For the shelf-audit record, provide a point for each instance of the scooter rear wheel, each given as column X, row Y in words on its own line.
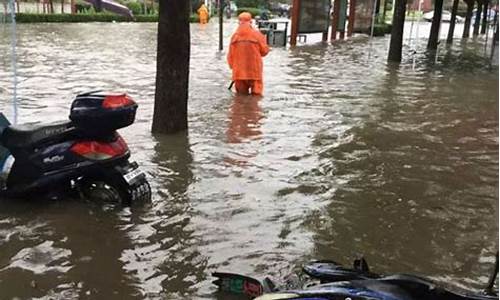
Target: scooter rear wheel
column 104, row 190
column 100, row 191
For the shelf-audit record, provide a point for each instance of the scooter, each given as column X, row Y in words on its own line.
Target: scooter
column 357, row 283
column 84, row 155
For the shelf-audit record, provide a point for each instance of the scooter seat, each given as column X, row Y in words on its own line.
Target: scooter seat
column 28, row 135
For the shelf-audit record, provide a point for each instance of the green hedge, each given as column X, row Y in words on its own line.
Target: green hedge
column 135, row 7
column 381, row 29
column 251, row 3
column 79, row 18
column 378, row 30
column 252, row 10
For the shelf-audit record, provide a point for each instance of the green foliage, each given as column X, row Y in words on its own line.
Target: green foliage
column 194, row 18
column 136, row 7
column 251, row 3
column 87, row 17
column 252, row 10
column 83, row 7
column 381, row 29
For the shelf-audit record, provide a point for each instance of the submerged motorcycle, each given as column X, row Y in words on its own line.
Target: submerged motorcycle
column 341, row 283
column 84, row 155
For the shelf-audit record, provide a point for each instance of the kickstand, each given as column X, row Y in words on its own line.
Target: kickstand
column 361, row 265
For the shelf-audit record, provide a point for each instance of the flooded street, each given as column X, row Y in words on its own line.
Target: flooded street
column 344, row 155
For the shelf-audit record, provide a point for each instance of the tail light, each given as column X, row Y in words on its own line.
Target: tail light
column 115, row 101
column 100, row 151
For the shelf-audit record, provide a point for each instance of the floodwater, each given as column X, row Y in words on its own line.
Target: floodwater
column 345, row 155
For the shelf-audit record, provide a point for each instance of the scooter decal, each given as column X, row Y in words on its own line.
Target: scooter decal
column 53, row 159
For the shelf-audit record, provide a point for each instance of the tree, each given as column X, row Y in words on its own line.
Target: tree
column 436, row 23
column 453, row 20
column 172, row 67
column 398, row 23
column 477, row 20
column 468, row 17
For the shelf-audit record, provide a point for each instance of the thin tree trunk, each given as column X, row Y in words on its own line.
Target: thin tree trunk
column 451, row 30
column 485, row 17
column 62, row 6
column 384, row 12
column 477, row 22
column 98, row 5
column 398, row 23
column 436, row 23
column 51, row 6
column 172, row 67
column 73, row 7
column 377, row 10
column 468, row 17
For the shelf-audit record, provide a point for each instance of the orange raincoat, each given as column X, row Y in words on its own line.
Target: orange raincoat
column 247, row 48
column 203, row 14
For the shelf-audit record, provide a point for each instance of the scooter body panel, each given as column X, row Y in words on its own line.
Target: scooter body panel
column 45, row 157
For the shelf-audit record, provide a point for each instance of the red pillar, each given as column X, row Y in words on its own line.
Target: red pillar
column 335, row 19
column 352, row 17
column 295, row 22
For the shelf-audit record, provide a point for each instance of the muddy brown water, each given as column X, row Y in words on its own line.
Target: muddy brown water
column 345, row 155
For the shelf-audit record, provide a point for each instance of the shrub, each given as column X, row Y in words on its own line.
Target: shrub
column 96, row 17
column 252, row 10
column 251, row 3
column 135, row 7
column 194, row 18
column 82, row 7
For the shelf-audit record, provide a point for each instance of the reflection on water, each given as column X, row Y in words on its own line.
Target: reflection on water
column 244, row 119
column 342, row 156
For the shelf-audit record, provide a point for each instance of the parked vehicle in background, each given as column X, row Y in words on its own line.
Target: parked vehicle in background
column 490, row 15
column 445, row 17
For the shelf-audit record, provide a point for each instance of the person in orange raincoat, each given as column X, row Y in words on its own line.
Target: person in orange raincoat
column 247, row 48
column 203, row 14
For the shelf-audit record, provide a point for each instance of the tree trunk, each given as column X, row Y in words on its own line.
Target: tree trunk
column 73, row 7
column 436, row 23
column 172, row 67
column 51, row 6
column 484, row 24
column 468, row 17
column 477, row 22
column 398, row 23
column 62, row 6
column 453, row 20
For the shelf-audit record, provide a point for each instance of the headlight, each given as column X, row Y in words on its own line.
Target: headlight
column 277, row 296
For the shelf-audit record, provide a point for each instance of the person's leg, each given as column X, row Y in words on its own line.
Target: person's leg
column 242, row 86
column 257, row 87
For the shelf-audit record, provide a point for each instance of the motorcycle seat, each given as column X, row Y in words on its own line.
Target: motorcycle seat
column 28, row 135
